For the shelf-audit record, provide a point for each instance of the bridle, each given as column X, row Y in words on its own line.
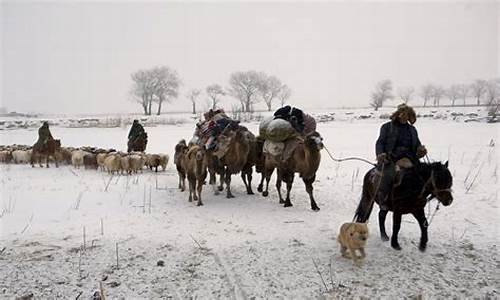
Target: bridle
column 435, row 190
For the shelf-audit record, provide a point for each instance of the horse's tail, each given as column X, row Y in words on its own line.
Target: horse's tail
column 365, row 205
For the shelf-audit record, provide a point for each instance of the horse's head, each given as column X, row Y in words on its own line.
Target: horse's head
column 441, row 182
column 314, row 141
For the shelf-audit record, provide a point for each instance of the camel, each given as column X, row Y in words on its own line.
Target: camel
column 180, row 151
column 231, row 157
column 305, row 160
column 195, row 164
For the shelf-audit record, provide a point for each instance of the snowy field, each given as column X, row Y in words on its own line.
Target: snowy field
column 247, row 247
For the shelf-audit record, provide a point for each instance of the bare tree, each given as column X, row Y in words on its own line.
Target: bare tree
column 244, row 86
column 493, row 110
column 284, row 94
column 166, row 86
column 437, row 94
column 478, row 88
column 215, row 91
column 426, row 92
column 383, row 92
column 406, row 94
column 143, row 89
column 453, row 92
column 269, row 88
column 463, row 92
column 492, row 90
column 193, row 95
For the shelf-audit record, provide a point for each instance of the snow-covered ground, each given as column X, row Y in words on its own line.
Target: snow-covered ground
column 246, row 247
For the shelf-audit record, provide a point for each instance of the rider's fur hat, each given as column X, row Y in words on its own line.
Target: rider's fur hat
column 412, row 116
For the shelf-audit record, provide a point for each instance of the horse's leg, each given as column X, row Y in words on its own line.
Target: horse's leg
column 228, row 185
column 396, row 225
column 289, row 182
column 55, row 161
column 422, row 222
column 268, row 173
column 381, row 224
column 47, row 160
column 40, row 157
column 32, row 160
column 309, row 189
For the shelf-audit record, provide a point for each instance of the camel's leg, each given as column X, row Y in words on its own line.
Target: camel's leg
column 422, row 222
column 396, row 225
column 288, row 177
column 40, row 161
column 279, row 180
column 222, row 176
column 228, row 185
column 309, row 188
column 191, row 189
column 268, row 173
column 261, row 184
column 248, row 185
column 32, row 160
column 381, row 224
column 199, row 188
column 183, row 182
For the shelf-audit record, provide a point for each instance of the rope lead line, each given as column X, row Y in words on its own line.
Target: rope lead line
column 348, row 158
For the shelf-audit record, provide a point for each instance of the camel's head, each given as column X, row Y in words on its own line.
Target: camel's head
column 314, row 141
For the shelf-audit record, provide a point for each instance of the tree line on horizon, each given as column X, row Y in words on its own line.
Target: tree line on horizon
column 161, row 84
column 484, row 92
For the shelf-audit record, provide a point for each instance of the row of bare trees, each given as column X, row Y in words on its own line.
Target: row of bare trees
column 486, row 92
column 161, row 84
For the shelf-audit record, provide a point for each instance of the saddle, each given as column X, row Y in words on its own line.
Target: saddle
column 402, row 166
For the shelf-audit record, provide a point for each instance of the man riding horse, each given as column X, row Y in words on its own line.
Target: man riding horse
column 136, row 133
column 398, row 147
column 44, row 135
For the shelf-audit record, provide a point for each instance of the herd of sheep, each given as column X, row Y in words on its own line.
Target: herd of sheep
column 110, row 160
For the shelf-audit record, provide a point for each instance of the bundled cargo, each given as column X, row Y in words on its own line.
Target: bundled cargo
column 263, row 126
column 273, row 148
column 279, row 130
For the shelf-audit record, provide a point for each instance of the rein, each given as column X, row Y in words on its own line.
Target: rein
column 435, row 190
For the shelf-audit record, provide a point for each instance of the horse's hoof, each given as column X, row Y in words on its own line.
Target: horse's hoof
column 396, row 247
column 259, row 189
column 384, row 238
column 265, row 193
column 282, row 201
column 200, row 204
column 288, row 204
column 250, row 193
column 422, row 248
column 315, row 208
column 229, row 196
column 221, row 188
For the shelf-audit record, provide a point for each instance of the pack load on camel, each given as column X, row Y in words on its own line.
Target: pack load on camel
column 137, row 138
column 291, row 145
column 207, row 131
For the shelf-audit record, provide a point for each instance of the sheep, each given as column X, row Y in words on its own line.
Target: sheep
column 63, row 155
column 77, row 158
column 5, row 156
column 125, row 164
column 90, row 161
column 21, row 156
column 153, row 161
column 163, row 161
column 100, row 160
column 112, row 163
column 136, row 162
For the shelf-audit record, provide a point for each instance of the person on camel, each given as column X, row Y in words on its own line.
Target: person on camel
column 397, row 148
column 303, row 123
column 44, row 135
column 136, row 131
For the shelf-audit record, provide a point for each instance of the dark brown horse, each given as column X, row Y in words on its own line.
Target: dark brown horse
column 418, row 185
column 138, row 144
column 44, row 151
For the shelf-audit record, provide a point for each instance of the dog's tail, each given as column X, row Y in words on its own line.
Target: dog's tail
column 365, row 205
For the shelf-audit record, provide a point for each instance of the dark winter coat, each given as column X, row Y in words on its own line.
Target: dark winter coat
column 397, row 141
column 44, row 135
column 135, row 131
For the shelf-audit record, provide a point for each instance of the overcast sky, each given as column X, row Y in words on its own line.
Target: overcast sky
column 68, row 57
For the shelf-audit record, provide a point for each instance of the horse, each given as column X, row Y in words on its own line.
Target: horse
column 419, row 185
column 138, row 144
column 50, row 148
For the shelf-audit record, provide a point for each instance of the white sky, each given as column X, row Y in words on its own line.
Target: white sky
column 68, row 57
